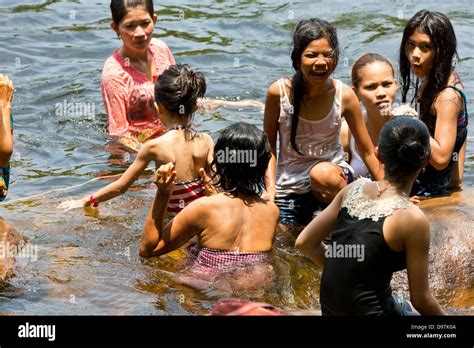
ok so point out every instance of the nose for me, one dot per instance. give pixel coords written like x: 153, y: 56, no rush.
x: 139, y: 32
x: 380, y: 92
x: 416, y: 54
x: 320, y: 61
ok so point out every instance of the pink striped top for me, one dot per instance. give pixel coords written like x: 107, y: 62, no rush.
x: 183, y: 194
x: 128, y: 95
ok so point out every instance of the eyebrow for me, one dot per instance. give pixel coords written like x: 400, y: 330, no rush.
x: 423, y: 42
x: 312, y: 51
x: 136, y: 21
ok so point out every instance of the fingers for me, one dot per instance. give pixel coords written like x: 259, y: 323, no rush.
x: 204, y: 176
x: 208, y: 186
x: 165, y: 175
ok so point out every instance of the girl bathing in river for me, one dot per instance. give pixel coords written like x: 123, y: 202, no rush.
x: 305, y: 112
x: 427, y: 51
x: 373, y: 81
x: 380, y: 232
x: 234, y: 228
x: 177, y: 93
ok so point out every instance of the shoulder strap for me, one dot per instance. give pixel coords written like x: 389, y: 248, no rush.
x: 338, y: 97
x: 463, y: 95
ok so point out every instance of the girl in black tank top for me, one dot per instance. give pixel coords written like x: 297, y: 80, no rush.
x: 376, y: 231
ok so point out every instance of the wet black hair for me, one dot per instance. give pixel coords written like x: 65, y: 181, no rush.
x: 307, y: 31
x: 404, y: 146
x: 120, y: 8
x: 242, y: 178
x: 441, y: 32
x: 179, y: 88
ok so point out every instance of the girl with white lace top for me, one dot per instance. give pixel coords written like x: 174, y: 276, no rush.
x: 305, y: 111
x: 385, y: 231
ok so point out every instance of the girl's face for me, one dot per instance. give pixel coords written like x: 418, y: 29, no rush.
x: 420, y: 53
x: 377, y: 88
x: 317, y: 62
x: 136, y: 29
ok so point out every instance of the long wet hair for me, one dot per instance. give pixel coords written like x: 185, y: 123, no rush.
x: 443, y: 39
x: 362, y: 62
x: 119, y: 8
x: 241, y: 177
x: 179, y: 88
x: 404, y: 147
x: 307, y: 31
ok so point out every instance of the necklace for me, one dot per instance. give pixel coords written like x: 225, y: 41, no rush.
x: 178, y: 127
x: 380, y: 191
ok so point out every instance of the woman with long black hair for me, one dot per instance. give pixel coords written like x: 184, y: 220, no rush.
x: 427, y: 67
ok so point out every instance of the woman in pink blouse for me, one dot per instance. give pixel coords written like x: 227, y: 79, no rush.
x: 129, y: 75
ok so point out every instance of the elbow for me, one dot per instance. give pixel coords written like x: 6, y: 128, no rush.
x: 5, y: 155
x: 301, y: 246
x: 440, y: 165
x: 145, y: 253
x: 424, y: 304
x: 440, y: 162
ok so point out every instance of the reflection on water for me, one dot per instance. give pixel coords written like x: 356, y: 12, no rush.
x: 88, y: 263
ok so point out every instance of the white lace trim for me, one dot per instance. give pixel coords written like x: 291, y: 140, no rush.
x: 361, y: 206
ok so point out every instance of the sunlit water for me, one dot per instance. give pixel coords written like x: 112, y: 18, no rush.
x: 54, y: 51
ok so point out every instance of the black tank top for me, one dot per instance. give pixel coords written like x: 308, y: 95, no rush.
x: 359, y: 283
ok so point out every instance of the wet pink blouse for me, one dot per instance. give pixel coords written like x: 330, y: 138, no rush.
x: 128, y: 95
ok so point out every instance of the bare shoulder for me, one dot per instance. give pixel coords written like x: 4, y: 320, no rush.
x: 274, y: 90
x: 449, y: 95
x: 203, y: 207
x: 206, y: 138
x: 411, y: 220
x: 348, y: 94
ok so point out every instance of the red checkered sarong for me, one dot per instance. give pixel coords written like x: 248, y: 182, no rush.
x: 219, y: 260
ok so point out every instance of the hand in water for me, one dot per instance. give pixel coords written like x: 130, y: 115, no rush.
x: 209, y: 188
x: 6, y: 90
x: 210, y: 105
x: 72, y: 204
x: 417, y: 199
x: 164, y: 178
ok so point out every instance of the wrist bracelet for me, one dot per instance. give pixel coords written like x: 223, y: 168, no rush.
x: 93, y: 202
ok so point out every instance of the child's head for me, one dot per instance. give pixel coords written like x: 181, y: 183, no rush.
x: 428, y: 45
x: 427, y: 50
x: 315, y: 56
x: 241, y: 156
x: 374, y: 83
x: 315, y: 45
x: 178, y: 90
x: 404, y: 147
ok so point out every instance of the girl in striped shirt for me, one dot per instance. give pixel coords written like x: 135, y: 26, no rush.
x: 176, y: 95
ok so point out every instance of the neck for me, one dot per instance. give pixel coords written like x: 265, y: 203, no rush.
x: 134, y: 55
x: 401, y: 188
x: 375, y: 122
x: 315, y: 91
x: 182, y: 124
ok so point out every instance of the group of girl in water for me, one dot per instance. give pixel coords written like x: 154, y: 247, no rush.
x: 348, y: 177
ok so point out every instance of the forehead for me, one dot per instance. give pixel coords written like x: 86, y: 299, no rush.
x: 418, y: 36
x: 136, y: 14
x: 319, y: 45
x: 376, y: 71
